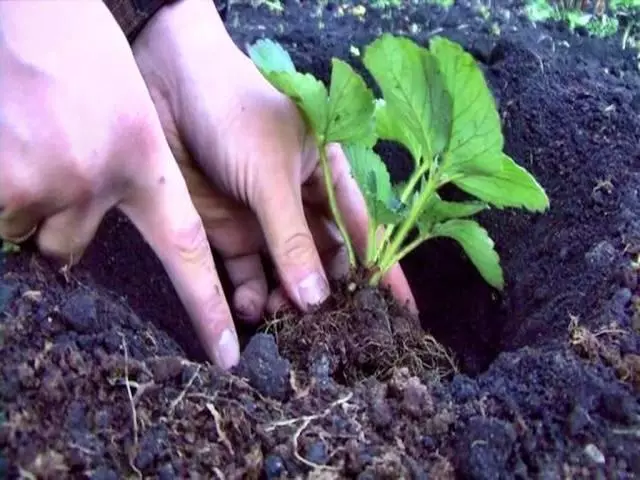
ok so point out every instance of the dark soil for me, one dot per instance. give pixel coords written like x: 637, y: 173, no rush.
x: 101, y: 376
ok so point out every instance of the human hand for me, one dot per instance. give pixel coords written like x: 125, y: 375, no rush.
x: 250, y: 164
x: 79, y: 135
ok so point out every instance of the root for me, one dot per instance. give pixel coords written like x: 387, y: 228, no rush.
x: 324, y: 413
x: 306, y: 421
x: 299, y: 457
x: 601, y: 344
x: 218, y: 421
x: 134, y: 415
x: 181, y: 395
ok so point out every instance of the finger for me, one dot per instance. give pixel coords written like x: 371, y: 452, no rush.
x: 163, y: 212
x: 235, y: 233
x: 66, y: 235
x: 278, y: 301
x: 27, y: 199
x: 289, y: 240
x: 396, y: 281
x: 17, y: 233
x: 250, y: 286
x: 18, y: 223
x: 352, y: 204
x: 331, y: 248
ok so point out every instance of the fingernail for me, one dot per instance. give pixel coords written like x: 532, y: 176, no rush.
x: 228, y: 351
x: 313, y: 290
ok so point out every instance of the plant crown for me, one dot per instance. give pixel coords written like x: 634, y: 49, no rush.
x: 435, y: 103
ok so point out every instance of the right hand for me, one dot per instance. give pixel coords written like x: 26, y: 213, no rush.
x: 79, y: 135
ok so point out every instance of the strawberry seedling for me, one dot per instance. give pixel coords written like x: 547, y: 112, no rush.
x: 436, y: 103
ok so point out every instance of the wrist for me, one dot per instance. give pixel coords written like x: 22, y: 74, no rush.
x: 187, y: 25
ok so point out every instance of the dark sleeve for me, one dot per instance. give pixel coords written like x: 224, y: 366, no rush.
x: 132, y: 15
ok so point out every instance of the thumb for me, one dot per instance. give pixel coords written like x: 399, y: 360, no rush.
x: 281, y: 215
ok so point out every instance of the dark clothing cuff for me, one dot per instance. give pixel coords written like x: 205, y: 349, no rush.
x: 133, y: 15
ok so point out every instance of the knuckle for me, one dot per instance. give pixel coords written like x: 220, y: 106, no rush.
x: 297, y: 249
x: 215, y: 308
x: 190, y: 240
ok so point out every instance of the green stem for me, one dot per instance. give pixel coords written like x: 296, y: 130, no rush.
x: 371, y: 243
x: 416, y: 209
x: 406, y: 251
x: 333, y: 204
x: 408, y: 189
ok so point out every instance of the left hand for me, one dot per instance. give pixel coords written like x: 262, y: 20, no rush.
x: 249, y: 162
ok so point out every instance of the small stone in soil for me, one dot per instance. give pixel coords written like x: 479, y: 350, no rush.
x: 273, y: 467
x: 317, y: 453
x: 265, y: 369
x: 80, y: 312
x: 601, y: 255
x: 594, y: 454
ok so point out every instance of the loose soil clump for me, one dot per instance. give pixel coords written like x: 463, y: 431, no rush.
x: 101, y: 376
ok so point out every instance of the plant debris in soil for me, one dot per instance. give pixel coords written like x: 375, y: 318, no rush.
x: 101, y: 376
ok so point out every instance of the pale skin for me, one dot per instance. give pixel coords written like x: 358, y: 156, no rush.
x: 181, y: 133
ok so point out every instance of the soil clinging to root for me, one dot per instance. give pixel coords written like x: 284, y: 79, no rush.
x: 360, y: 332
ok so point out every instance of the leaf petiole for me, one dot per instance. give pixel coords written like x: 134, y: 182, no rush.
x: 333, y: 204
x: 408, y: 189
x: 389, y: 254
x: 419, y: 240
x: 372, y: 241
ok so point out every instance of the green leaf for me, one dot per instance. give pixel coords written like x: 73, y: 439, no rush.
x: 351, y: 107
x: 309, y: 94
x: 387, y: 129
x: 372, y: 176
x: 513, y: 186
x: 270, y: 56
x: 438, y: 210
x: 476, y: 134
x: 416, y: 100
x: 477, y: 245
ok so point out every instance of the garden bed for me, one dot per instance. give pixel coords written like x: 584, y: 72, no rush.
x: 102, y: 376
